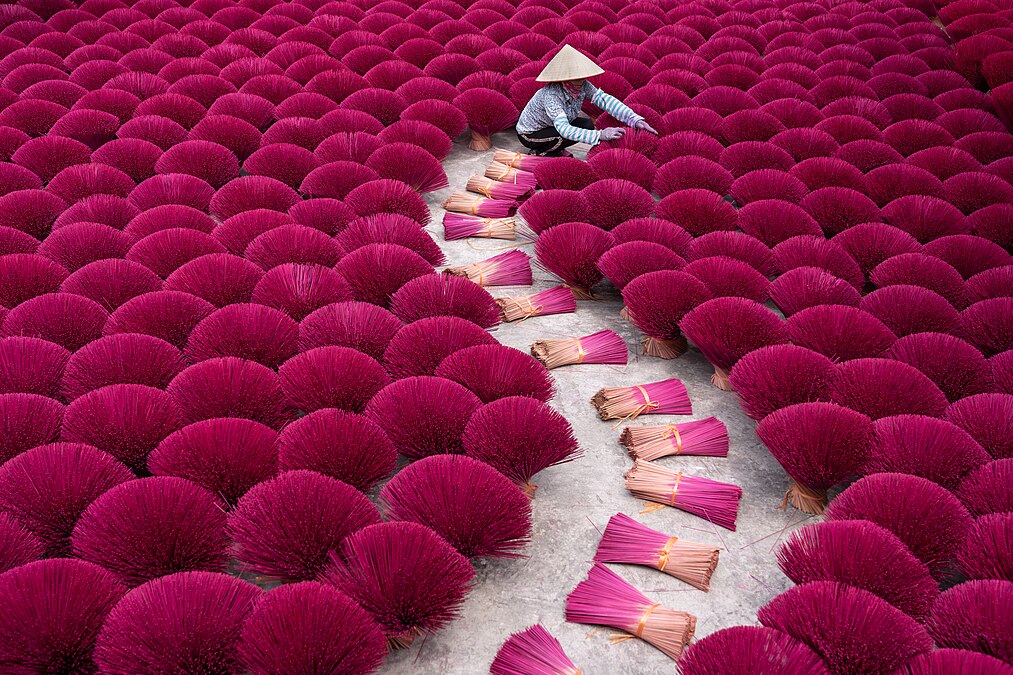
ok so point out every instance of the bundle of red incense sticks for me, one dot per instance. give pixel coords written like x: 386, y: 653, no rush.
x: 512, y: 268
x: 710, y: 499
x: 605, y: 599
x: 706, y: 437
x: 497, y: 190
x: 627, y: 541
x: 461, y: 225
x: 556, y: 300
x: 668, y: 397
x: 516, y: 160
x: 473, y: 205
x: 532, y: 652
x: 508, y: 174
x: 605, y: 346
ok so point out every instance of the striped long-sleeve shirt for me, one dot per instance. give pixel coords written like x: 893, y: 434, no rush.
x: 553, y: 106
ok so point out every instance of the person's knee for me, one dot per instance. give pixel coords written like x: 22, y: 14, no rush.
x: 583, y: 122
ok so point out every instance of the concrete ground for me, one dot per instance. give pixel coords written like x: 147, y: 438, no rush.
x: 574, y: 501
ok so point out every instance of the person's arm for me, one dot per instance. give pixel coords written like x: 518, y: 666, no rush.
x: 614, y: 107
x: 570, y: 132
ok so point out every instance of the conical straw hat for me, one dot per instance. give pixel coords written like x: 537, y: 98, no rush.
x: 569, y: 64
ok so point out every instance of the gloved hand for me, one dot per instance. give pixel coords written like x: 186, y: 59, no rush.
x: 644, y: 126
x: 612, y: 133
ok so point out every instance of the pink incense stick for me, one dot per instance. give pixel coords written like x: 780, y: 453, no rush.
x: 668, y: 397
x: 473, y: 205
x: 605, y: 599
x: 460, y: 226
x: 512, y: 268
x: 508, y: 174
x: 496, y: 190
x: 532, y: 652
x: 516, y: 160
x: 556, y: 300
x: 627, y: 541
x: 602, y: 347
x: 710, y: 499
x: 706, y: 437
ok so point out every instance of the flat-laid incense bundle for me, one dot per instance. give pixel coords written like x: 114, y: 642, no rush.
x: 706, y: 437
x: 710, y: 499
x: 668, y: 397
x: 605, y: 346
x: 512, y: 268
x: 516, y: 160
x: 474, y: 205
x: 606, y: 599
x: 461, y: 226
x: 532, y: 652
x: 627, y: 541
x: 556, y: 300
x: 496, y: 190
x: 508, y: 174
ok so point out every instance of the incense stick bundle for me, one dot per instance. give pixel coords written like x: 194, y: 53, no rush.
x: 508, y: 174
x: 627, y: 541
x: 605, y: 599
x: 532, y: 652
x: 710, y: 499
x: 556, y: 300
x: 460, y: 226
x: 512, y: 268
x: 668, y: 397
x: 516, y: 160
x: 604, y: 346
x: 496, y: 190
x: 473, y: 205
x: 704, y: 438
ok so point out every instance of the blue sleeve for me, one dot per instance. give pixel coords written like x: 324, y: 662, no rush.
x: 614, y: 107
x: 572, y: 133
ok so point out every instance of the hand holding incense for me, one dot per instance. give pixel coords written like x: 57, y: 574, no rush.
x: 627, y: 541
x: 606, y: 599
x: 508, y: 174
x: 516, y: 160
x: 668, y: 397
x: 460, y: 226
x: 496, y: 190
x: 556, y: 300
x: 710, y: 499
x: 532, y: 652
x: 707, y: 438
x: 602, y: 347
x: 473, y: 205
x: 512, y: 268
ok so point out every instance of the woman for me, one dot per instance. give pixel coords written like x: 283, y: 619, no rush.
x: 551, y: 121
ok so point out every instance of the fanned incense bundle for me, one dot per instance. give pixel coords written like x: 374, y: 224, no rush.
x: 512, y: 268
x: 668, y: 397
x: 556, y: 300
x: 473, y: 205
x: 710, y: 499
x: 707, y: 438
x: 606, y: 599
x: 516, y: 160
x: 532, y: 652
x: 462, y: 225
x: 509, y: 174
x: 627, y: 541
x: 496, y: 190
x: 605, y: 346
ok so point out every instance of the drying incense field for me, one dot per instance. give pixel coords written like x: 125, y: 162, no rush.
x: 306, y: 366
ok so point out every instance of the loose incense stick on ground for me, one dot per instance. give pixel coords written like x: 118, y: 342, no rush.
x: 710, y: 499
x: 556, y: 300
x: 460, y: 226
x: 473, y: 205
x: 707, y: 437
x: 507, y: 174
x: 512, y: 268
x: 668, y: 397
x: 602, y: 347
x: 496, y: 190
x: 605, y: 599
x: 627, y: 541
